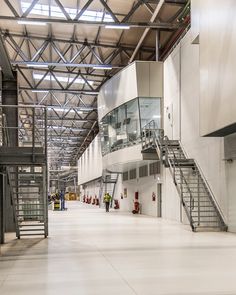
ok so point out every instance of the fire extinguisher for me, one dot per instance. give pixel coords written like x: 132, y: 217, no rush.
x: 117, y: 205
x: 136, y: 204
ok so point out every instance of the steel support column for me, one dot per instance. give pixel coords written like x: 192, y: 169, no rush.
x: 2, y: 211
x: 10, y: 97
x: 157, y: 45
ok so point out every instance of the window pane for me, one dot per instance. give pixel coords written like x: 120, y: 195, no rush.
x: 132, y: 122
x: 150, y: 109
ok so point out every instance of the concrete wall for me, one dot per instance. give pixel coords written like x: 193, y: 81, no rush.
x: 90, y: 164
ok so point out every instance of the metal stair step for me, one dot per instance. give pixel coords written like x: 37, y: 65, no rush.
x: 214, y: 215
x: 32, y: 229
x: 28, y: 202
x: 38, y: 234
x: 196, y: 196
x: 221, y: 226
x: 209, y: 221
x: 26, y: 173
x: 26, y: 186
x: 30, y: 210
x: 23, y: 215
x: 201, y: 205
x: 204, y: 211
x: 34, y: 225
x: 25, y: 193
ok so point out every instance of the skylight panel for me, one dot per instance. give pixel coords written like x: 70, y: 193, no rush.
x: 62, y: 79
x: 55, y: 11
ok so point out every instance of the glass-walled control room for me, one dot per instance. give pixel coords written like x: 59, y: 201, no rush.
x: 122, y: 126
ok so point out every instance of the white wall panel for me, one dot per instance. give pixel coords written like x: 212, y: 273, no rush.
x: 118, y: 90
x: 116, y: 161
x: 90, y: 163
x: 145, y: 186
x: 170, y: 200
x: 140, y: 79
x: 195, y: 19
x: 183, y: 64
x: 172, y: 95
x: 217, y: 64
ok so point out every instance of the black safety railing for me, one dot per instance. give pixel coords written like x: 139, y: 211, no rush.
x: 31, y: 129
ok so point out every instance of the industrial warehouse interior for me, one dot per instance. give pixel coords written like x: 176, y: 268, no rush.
x: 117, y: 147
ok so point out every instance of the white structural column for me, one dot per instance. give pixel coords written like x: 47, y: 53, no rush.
x: 96, y: 253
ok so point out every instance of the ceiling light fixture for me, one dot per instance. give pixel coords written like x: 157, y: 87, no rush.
x: 33, y: 23
x: 102, y: 68
x: 117, y: 27
x: 65, y: 109
x: 40, y: 91
x: 64, y: 79
x: 33, y: 65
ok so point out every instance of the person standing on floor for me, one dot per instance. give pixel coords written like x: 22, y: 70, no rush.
x: 107, y: 200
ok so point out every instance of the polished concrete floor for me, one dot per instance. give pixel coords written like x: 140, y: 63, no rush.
x: 92, y: 252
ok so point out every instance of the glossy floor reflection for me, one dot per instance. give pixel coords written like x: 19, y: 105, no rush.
x: 90, y: 252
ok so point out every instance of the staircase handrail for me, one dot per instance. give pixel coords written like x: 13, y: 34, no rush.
x: 215, y: 202
x: 173, y: 164
x: 152, y: 132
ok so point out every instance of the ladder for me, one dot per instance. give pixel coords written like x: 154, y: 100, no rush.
x: 195, y: 193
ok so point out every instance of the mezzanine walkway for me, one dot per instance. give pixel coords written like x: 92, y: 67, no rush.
x: 90, y: 252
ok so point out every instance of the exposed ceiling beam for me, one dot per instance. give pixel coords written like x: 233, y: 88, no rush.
x: 62, y: 71
x: 54, y: 118
x: 146, y: 31
x: 64, y: 64
x: 39, y: 89
x: 75, y: 42
x: 153, y: 25
x: 176, y: 2
x: 25, y: 106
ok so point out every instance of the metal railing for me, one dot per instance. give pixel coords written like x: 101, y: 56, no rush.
x: 6, y: 142
x: 196, y: 196
x: 29, y: 206
x: 31, y: 129
x: 174, y: 164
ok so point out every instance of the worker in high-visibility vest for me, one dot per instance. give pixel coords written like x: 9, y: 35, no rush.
x: 107, y: 200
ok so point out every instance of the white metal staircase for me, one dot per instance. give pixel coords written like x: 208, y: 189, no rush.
x: 196, y: 196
